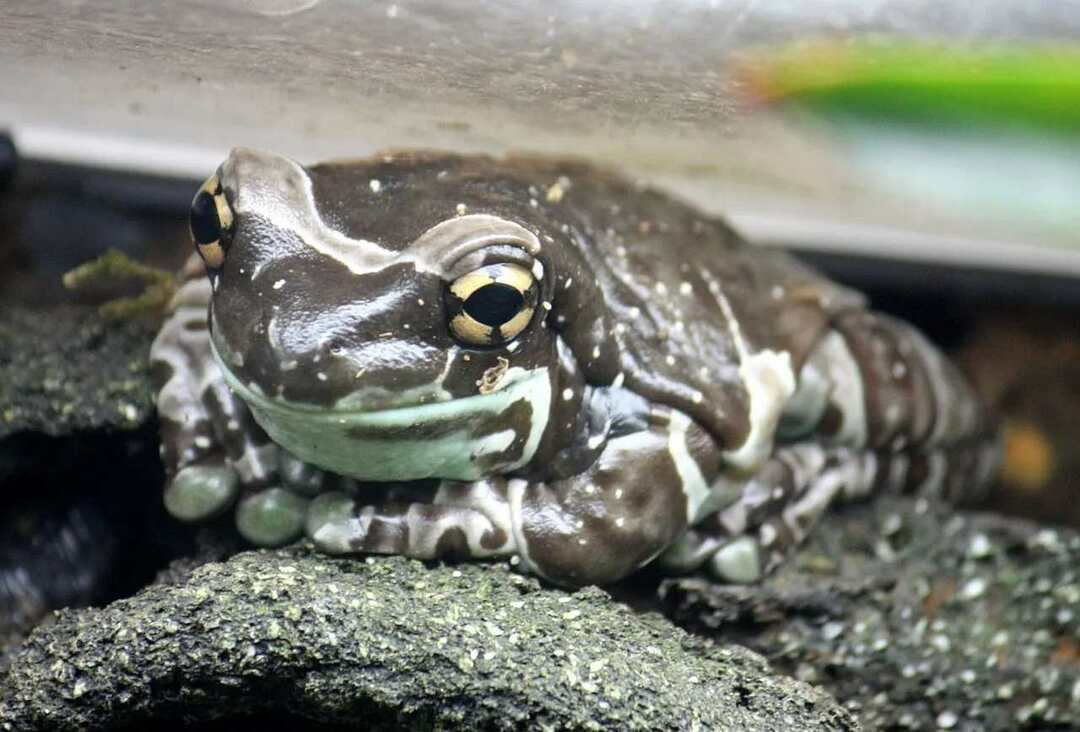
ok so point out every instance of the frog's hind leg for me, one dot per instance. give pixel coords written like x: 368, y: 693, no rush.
x: 877, y: 409
x: 769, y: 514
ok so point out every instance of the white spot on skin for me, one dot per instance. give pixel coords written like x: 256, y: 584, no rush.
x: 661, y: 288
x: 899, y: 369
x: 590, y: 488
x: 569, y: 281
x: 620, y: 329
x: 279, y: 284
x: 777, y: 292
x: 202, y: 442
x: 392, y: 12
x: 697, y: 397
x: 618, y: 494
x: 635, y: 312
x: 545, y: 305
x: 620, y: 522
x: 420, y: 301
x: 320, y: 376
x: 596, y: 441
x: 567, y: 394
x: 596, y: 352
x: 618, y: 380
x: 669, y: 360
x: 538, y: 270
x: 461, y: 208
x: 375, y: 184
x: 513, y: 346
x: 686, y: 288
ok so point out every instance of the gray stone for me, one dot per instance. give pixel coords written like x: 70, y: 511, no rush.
x: 927, y: 629
x: 386, y: 643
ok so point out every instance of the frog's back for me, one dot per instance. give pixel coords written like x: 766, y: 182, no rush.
x: 672, y: 289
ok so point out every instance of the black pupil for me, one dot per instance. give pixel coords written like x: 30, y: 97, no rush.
x: 205, y: 225
x: 494, y: 304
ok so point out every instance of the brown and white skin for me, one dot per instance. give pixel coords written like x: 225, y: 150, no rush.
x: 457, y: 356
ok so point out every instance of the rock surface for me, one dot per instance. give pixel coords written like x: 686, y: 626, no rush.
x: 917, y: 617
x: 68, y: 369
x: 390, y: 642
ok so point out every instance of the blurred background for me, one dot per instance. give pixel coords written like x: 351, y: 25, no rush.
x: 926, y: 152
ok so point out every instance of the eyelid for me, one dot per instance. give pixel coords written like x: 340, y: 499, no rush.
x: 443, y: 247
x: 502, y: 253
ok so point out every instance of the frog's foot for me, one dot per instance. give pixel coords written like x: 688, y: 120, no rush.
x: 453, y: 521
x: 779, y: 506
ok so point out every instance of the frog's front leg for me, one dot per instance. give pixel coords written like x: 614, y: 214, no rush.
x: 211, y: 446
x: 594, y: 527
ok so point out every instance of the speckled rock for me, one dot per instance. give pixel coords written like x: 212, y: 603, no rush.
x: 391, y: 642
x: 69, y: 369
x: 917, y: 617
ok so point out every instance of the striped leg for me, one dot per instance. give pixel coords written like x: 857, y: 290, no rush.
x: 591, y: 528
x: 212, y: 449
x: 877, y: 408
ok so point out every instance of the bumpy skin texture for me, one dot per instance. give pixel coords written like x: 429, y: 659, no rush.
x: 672, y: 394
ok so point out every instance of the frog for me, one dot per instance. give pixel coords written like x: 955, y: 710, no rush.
x: 536, y: 359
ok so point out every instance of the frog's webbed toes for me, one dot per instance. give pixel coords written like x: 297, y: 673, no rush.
x: 202, y: 491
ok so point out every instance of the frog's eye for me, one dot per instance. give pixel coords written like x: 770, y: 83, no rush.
x: 211, y: 222
x: 491, y: 305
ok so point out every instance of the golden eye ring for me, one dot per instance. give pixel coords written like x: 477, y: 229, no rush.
x: 491, y: 305
x: 210, y: 222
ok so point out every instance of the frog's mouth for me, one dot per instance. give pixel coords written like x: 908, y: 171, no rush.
x: 467, y: 438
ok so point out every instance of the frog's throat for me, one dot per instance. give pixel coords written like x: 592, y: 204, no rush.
x: 461, y: 439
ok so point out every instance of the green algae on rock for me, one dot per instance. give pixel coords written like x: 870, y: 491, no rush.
x: 385, y: 643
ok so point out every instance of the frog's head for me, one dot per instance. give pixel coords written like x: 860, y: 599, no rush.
x: 386, y: 319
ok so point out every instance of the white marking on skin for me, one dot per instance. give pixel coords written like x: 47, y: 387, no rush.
x: 661, y: 288
x: 899, y: 369
x: 375, y: 184
x: 769, y: 381
x: 686, y: 288
x: 461, y: 208
x: 596, y: 352
x: 619, y: 329
x: 420, y: 301
x: 538, y: 269
x: 697, y: 397
x: 279, y: 284
x: 635, y: 312
x: 670, y: 360
x: 545, y: 305
x: 690, y: 477
x: 202, y: 442
x: 596, y: 441
x: 567, y: 394
x: 513, y: 346
x: 569, y: 281
x: 590, y: 489
x: 620, y: 522
x: 320, y: 376
x: 777, y: 292
x: 617, y: 382
x: 846, y: 389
